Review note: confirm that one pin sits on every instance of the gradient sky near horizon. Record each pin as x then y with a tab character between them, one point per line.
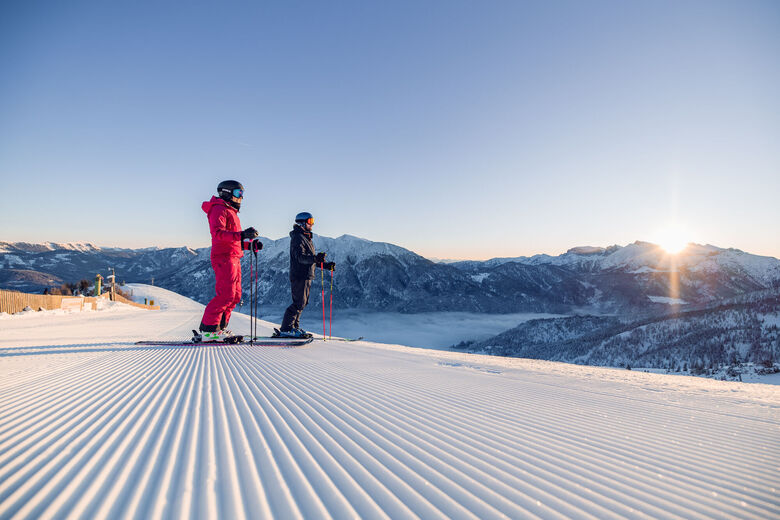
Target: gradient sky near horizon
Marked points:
457	129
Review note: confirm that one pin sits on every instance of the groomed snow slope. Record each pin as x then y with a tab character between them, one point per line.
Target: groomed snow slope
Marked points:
92	425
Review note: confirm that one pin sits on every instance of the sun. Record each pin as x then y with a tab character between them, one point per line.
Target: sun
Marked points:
672	239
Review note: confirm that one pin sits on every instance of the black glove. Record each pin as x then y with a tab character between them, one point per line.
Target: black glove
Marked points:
256	245
329	266
249	233
320	258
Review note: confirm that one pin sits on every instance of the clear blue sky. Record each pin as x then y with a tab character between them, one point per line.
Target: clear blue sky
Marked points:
456	129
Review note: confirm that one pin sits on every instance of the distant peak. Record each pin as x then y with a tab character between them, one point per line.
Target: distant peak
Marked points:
586	250
642	243
38	247
352	237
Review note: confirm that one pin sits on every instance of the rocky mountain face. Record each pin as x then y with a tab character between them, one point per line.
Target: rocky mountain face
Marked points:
33	267
639	278
379	276
626	278
730	333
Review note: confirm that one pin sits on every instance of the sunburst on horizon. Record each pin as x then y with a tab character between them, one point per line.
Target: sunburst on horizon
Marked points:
673	239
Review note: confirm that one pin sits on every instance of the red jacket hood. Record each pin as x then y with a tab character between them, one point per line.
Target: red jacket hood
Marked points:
215	201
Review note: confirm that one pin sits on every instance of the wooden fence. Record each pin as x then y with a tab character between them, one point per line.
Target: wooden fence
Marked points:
13	302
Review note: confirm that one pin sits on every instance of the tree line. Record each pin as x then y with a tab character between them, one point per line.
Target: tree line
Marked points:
83	287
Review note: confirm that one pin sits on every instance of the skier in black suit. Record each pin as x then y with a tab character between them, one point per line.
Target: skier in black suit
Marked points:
303	261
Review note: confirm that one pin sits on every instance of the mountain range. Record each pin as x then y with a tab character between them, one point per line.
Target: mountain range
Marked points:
703	308
729	333
637	278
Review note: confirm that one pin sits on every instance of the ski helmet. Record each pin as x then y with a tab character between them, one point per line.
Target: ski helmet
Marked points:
305	220
226	190
304	216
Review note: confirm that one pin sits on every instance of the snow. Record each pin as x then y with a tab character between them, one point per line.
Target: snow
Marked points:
643	270
771	320
355	249
12	260
48	246
444	260
92	425
586	250
667	300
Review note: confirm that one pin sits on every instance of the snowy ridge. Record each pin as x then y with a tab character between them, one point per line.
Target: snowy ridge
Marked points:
646	257
344	248
83	247
109	429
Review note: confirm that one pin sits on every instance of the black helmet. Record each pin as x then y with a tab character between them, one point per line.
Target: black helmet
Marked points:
303	217
226	190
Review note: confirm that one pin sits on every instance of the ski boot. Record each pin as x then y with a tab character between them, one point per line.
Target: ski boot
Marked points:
214	337
219	336
292	333
303	333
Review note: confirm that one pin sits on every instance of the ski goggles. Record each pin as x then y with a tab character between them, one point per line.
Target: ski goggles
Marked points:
238	193
310	221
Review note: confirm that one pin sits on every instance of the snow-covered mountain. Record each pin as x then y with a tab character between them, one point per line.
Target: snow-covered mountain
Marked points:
629	276
10	247
369	275
733	332
647	257
33	267
375	275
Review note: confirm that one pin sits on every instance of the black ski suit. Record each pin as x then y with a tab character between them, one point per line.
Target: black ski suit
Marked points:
303	260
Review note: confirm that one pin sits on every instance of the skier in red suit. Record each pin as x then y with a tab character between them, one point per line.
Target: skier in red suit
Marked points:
228	243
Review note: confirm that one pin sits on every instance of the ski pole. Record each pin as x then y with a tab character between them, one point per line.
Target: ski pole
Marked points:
257	295
251	299
322	275
330	319
254	305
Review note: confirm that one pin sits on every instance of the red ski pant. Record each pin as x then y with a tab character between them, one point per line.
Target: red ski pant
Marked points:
227	270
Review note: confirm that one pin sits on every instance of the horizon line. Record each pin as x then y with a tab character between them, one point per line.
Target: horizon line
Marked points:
432	258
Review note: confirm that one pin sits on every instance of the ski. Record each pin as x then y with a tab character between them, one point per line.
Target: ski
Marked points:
234	340
271	341
310	336
175	343
262	341
259	341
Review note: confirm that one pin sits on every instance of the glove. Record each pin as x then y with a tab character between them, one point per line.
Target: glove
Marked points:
329	266
320	258
249	233
256	245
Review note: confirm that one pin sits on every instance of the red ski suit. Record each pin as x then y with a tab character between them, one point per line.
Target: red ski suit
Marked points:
226	253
